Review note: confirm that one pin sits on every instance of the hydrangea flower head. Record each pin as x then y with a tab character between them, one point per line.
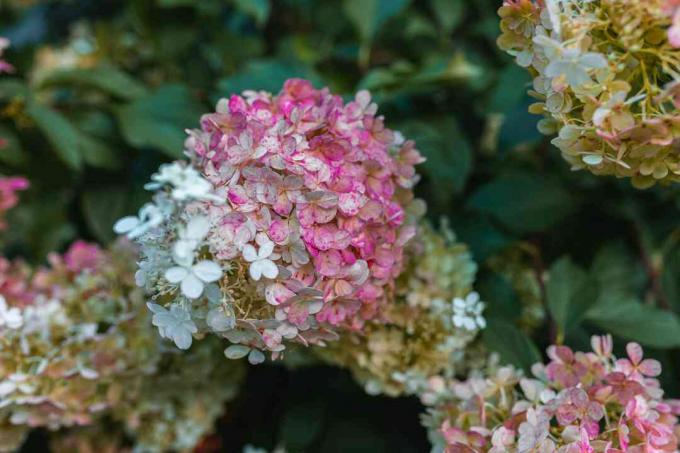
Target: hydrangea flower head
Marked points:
289	220
580	402
606	78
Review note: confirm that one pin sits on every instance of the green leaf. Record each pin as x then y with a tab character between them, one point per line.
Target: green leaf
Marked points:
510	89
617	274
63	135
449	13
98	153
448	153
670	278
104	78
523	202
257	9
570	293
102	208
634	321
513	346
11	152
267	75
158	120
368	16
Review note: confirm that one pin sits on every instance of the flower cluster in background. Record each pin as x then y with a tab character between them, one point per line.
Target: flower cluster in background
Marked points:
290	220
77	347
578	402
607	78
425	331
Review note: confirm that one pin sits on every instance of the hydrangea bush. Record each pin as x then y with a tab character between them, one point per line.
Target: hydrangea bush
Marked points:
576	403
77	347
289	220
425	331
606	77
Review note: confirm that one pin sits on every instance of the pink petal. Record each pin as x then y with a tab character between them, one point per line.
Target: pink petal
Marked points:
635	353
650	367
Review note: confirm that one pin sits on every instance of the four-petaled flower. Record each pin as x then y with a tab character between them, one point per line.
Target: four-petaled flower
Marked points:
260	264
150	216
175	324
570	62
635	367
467	313
193	277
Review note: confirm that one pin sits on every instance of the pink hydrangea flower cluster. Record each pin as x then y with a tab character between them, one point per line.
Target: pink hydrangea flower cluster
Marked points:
296	206
578	403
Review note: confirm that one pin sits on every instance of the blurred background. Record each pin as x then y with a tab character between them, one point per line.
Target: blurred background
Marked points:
104	89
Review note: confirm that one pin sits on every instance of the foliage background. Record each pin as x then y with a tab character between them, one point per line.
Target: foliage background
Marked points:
104	89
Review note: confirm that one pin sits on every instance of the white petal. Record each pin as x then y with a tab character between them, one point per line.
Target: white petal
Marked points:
155	308
593	60
208	271
192	287
197	228
255	357
176	274
592	159
125	224
163	319
182	338
268	268
236	351
469	324
256	270
266	249
249	253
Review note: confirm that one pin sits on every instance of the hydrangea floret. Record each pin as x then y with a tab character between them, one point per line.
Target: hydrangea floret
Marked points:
577	403
288	221
607	79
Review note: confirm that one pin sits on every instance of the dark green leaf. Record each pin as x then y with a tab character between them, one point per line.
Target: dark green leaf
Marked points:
570	292
671	278
448	154
368	16
267	75
102	208
105	78
524	202
63	135
159	119
632	320
513	346
449	13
